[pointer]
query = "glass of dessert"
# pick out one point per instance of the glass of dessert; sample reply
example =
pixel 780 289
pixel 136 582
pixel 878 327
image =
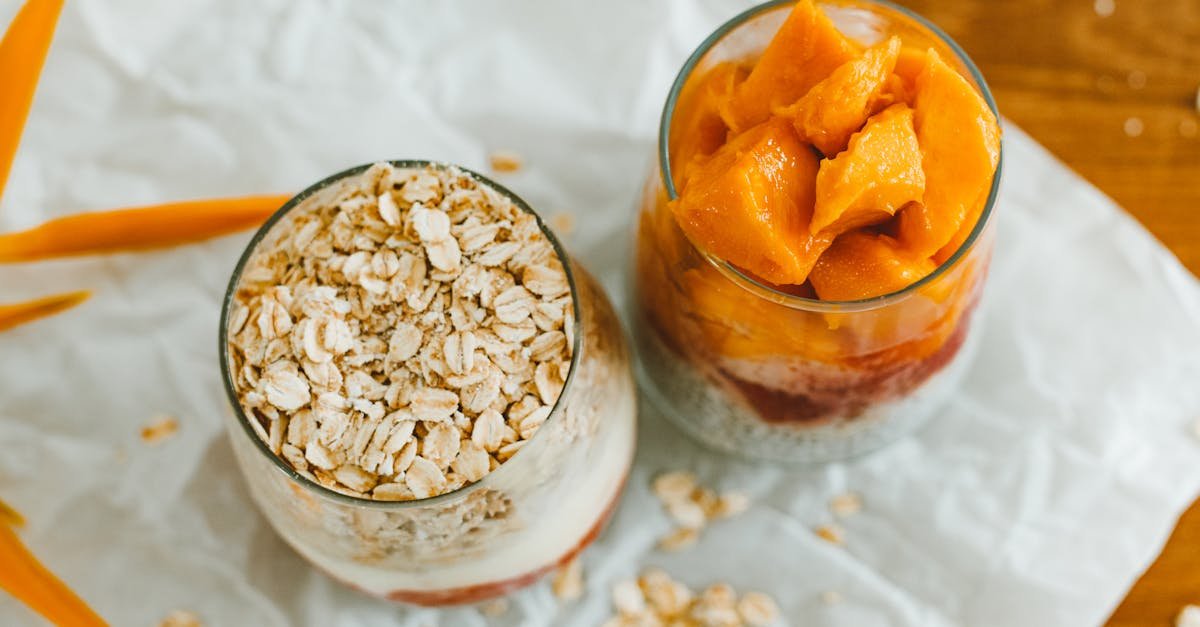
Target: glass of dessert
pixel 815 233
pixel 431 402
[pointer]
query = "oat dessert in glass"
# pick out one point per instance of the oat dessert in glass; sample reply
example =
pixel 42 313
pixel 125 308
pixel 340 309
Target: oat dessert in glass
pixel 814 236
pixel 432 402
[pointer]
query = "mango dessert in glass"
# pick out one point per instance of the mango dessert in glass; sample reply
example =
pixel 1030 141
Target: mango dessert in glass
pixel 814 237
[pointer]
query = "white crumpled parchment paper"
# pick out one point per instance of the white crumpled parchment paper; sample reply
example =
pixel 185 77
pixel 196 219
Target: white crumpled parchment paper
pixel 1035 499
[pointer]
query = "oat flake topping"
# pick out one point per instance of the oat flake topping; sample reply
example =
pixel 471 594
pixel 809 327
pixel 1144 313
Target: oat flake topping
pixel 403 335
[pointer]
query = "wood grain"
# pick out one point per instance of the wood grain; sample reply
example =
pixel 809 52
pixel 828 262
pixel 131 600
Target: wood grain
pixel 1073 79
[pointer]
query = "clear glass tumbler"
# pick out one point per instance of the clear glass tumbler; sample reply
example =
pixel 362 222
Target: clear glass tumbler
pixel 531 514
pixel 750 369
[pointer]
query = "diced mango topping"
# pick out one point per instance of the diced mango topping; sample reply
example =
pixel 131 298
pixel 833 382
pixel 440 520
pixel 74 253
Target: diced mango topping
pixel 903 82
pixel 698 130
pixel 910 149
pixel 864 265
pixel 960 142
pixel 877 175
pixel 751 203
pixel 838 106
pixel 805 50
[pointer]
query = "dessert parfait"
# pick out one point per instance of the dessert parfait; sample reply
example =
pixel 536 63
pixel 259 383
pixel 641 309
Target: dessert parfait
pixel 433 404
pixel 814 237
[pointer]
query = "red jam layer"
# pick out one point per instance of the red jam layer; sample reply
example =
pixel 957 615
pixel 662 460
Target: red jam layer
pixel 851 399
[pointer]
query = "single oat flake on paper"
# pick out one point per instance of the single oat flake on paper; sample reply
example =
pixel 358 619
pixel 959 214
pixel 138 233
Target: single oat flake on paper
pixel 505 161
pixel 846 504
pixel 567 582
pixel 832 534
pixel 158 429
pixel 181 618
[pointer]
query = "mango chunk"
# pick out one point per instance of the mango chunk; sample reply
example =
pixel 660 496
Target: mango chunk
pixel 742 325
pixel 697 129
pixel 877 175
pixel 751 203
pixel 909 64
pixel 960 144
pixel 806 49
pixel 837 107
pixel 863 265
pixel 964 231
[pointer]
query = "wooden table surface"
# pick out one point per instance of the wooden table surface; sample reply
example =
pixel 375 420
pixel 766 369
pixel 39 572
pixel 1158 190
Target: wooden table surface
pixel 1083 84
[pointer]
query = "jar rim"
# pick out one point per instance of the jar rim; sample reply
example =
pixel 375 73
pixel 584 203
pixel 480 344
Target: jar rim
pixel 235 281
pixel 769 292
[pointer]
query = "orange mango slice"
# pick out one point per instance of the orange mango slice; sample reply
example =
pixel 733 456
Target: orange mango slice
pixel 751 202
pixel 697 129
pixel 806 49
pixel 877 175
pixel 960 143
pixel 838 106
pixel 863 265
pixel 964 230
pixel 20 313
pixel 23 50
pixel 909 63
pixel 740 325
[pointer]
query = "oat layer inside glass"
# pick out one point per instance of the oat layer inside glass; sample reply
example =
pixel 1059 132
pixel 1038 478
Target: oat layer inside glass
pixel 421 375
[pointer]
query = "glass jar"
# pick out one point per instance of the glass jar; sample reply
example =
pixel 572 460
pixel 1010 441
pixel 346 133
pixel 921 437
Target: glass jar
pixel 532 513
pixel 747 368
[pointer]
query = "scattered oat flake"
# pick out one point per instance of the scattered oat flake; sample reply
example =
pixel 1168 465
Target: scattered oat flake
pixel 567 583
pixel 628 598
pixel 1136 79
pixel 10 516
pixel 846 504
pixel 563 223
pixel 159 428
pixel 687 513
pixel 831 597
pixel 674 486
pixel 692 507
pixel 495 607
pixel 758 609
pixel 679 539
pixel 655 598
pixel 665 596
pixel 831 534
pixel 1105 8
pixel 731 504
pixel 180 618
pixel 1134 127
pixel 1189 616
pixel 505 161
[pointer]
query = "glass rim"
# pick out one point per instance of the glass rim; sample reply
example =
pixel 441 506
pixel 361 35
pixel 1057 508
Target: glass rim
pixel 235 281
pixel 767 291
